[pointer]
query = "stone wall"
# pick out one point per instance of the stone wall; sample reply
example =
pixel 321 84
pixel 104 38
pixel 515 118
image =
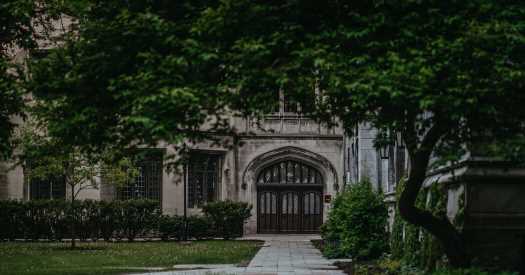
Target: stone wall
pixel 323 153
pixel 485 201
pixel 316 144
pixel 3 181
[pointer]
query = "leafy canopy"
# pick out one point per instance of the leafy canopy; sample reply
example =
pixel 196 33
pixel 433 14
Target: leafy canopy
pixel 146 71
pixel 131 73
pixel 443 73
pixel 22 24
pixel 401 65
pixel 47 157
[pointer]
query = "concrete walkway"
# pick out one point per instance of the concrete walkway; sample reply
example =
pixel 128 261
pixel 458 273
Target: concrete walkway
pixel 281 255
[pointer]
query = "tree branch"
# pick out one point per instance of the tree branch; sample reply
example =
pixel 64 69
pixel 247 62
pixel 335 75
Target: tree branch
pixel 441 228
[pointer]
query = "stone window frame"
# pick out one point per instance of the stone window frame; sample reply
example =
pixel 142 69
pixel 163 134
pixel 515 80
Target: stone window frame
pixel 217 156
pixel 149 185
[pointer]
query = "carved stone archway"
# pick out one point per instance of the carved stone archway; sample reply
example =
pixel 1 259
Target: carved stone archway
pixel 288 154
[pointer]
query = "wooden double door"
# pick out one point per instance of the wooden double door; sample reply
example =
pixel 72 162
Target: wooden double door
pixel 289 210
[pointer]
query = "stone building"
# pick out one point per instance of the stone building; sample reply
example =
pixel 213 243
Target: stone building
pixel 290 168
pixel 287 166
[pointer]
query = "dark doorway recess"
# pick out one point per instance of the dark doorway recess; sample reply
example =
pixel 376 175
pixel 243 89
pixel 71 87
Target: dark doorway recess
pixel 289 198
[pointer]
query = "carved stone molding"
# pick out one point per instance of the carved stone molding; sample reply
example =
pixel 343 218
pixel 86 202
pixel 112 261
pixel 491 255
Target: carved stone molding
pixel 317 161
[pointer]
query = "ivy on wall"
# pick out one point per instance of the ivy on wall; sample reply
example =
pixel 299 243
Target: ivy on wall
pixel 413 245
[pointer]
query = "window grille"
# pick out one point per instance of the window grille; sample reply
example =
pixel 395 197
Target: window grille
pixel 148 183
pixel 289 172
pixel 203 178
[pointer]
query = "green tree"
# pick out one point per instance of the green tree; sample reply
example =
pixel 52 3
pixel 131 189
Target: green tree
pixel 44 157
pixel 442 73
pixel 10 105
pixel 130 74
pixel 22 23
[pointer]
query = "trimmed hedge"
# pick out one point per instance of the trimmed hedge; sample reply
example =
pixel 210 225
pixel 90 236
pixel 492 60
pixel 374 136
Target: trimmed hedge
pixel 131 219
pixel 171 227
pixel 53 219
pixel 228 217
pixel 198 227
pixel 224 219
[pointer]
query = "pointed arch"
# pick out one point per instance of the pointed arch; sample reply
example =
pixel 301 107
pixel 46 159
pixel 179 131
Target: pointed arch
pixel 292 154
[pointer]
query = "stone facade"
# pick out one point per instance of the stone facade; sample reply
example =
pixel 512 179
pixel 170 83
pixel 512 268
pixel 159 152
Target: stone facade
pixel 284 135
pixel 340 160
pixel 278 137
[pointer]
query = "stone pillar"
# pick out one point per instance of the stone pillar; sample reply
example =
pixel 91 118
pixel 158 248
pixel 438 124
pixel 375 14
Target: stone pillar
pixel 486 200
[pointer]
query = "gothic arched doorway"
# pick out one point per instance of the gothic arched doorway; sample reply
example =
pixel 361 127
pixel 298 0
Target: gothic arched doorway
pixel 289 198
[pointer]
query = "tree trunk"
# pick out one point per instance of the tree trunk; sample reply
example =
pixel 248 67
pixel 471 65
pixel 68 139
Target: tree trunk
pixel 73 215
pixel 441 228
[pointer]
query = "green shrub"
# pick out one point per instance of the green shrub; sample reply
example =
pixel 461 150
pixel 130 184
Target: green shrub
pixel 138 217
pixel 87 219
pixel 53 219
pixel 58 222
pixel 228 217
pixel 199 227
pixel 413 245
pixel 12 214
pixel 356 225
pixel 389 266
pixel 109 219
pixel 171 227
pixel 470 271
pixel 8 215
pixel 37 224
pixel 43 219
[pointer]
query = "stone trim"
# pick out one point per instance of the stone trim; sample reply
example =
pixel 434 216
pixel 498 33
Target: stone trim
pixel 475 170
pixel 317 161
pixel 288 136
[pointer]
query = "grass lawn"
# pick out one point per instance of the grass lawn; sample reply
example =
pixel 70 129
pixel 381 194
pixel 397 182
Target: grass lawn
pixel 118 258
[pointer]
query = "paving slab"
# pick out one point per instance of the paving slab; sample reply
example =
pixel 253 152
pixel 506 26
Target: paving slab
pixel 280 255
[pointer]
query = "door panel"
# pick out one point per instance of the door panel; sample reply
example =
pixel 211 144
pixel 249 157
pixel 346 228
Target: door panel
pixel 312 211
pixel 289 214
pixel 288 210
pixel 267 217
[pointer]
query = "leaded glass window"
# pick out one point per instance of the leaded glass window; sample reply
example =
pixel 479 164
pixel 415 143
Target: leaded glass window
pixel 289 172
pixel 203 178
pixel 148 183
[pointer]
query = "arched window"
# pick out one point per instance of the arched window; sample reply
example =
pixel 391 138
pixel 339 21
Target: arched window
pixel 289 172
